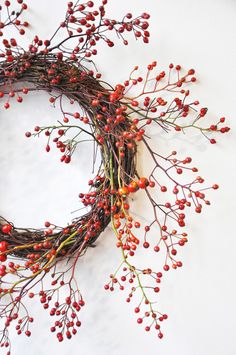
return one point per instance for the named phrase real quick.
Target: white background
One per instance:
(200, 298)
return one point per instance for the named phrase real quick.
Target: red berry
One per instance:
(133, 186)
(6, 228)
(25, 90)
(3, 258)
(3, 246)
(95, 103)
(215, 186)
(166, 267)
(143, 183)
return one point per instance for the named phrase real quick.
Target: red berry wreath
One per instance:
(116, 120)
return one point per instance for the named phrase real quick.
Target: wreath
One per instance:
(117, 120)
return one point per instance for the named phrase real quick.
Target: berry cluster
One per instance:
(9, 16)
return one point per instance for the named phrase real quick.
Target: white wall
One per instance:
(200, 298)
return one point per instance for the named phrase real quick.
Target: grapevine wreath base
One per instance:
(117, 120)
(85, 91)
